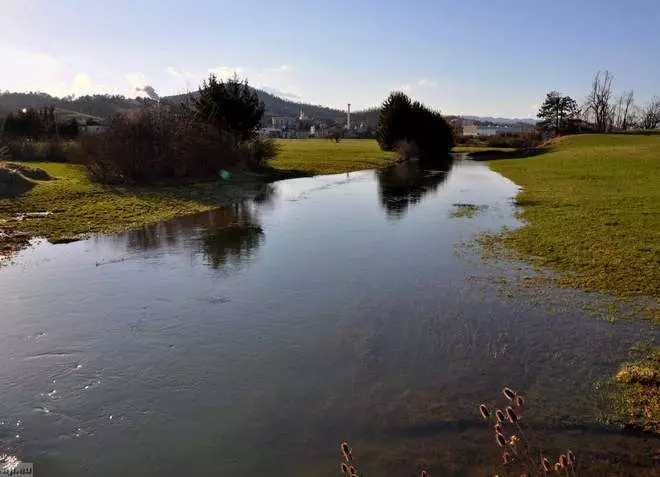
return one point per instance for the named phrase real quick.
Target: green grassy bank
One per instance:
(591, 204)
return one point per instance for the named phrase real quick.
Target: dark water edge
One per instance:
(251, 340)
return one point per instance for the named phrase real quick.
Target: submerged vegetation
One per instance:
(591, 206)
(639, 401)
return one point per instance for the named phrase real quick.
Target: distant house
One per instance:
(472, 129)
(270, 132)
(279, 122)
(90, 126)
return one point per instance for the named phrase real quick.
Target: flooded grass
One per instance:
(639, 400)
(81, 207)
(591, 204)
(466, 211)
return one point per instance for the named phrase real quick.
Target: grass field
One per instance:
(323, 156)
(592, 207)
(80, 207)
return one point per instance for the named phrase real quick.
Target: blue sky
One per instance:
(487, 57)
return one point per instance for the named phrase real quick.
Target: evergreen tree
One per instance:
(411, 125)
(557, 111)
(230, 105)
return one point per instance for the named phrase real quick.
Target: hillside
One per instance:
(108, 105)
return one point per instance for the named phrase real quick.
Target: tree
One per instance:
(557, 110)
(231, 106)
(598, 104)
(412, 129)
(650, 114)
(624, 110)
(393, 121)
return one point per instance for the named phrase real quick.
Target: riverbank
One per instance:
(79, 207)
(591, 205)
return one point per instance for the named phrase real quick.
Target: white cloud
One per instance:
(178, 72)
(426, 82)
(136, 80)
(225, 72)
(402, 87)
(281, 93)
(279, 69)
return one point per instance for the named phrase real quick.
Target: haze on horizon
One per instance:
(496, 58)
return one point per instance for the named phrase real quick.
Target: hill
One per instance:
(108, 105)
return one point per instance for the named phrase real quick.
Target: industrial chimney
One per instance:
(348, 117)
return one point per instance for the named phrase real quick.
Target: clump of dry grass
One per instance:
(518, 454)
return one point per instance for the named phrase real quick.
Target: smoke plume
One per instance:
(151, 92)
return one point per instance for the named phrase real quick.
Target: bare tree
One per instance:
(650, 114)
(598, 104)
(624, 107)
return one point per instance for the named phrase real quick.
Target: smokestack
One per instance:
(348, 118)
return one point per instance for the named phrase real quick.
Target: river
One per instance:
(253, 339)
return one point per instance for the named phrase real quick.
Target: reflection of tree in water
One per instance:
(236, 241)
(404, 184)
(224, 236)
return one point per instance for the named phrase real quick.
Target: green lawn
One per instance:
(324, 156)
(592, 207)
(81, 207)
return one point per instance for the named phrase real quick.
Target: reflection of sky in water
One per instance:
(253, 339)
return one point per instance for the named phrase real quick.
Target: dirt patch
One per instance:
(13, 183)
(29, 172)
(11, 242)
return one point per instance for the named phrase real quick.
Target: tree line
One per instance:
(601, 111)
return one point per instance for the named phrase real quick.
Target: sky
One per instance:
(480, 57)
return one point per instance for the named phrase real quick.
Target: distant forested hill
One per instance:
(104, 106)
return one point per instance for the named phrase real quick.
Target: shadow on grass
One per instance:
(517, 154)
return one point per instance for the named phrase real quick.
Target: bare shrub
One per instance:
(154, 145)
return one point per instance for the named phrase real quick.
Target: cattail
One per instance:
(520, 401)
(499, 438)
(344, 468)
(500, 416)
(498, 428)
(424, 474)
(557, 467)
(563, 460)
(346, 451)
(546, 464)
(511, 415)
(509, 394)
(506, 457)
(571, 457)
(485, 413)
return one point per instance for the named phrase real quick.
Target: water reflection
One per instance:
(225, 236)
(234, 242)
(405, 184)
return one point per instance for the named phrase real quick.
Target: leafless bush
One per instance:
(154, 145)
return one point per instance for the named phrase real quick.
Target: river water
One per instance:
(253, 339)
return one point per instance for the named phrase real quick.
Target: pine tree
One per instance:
(557, 110)
(231, 106)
